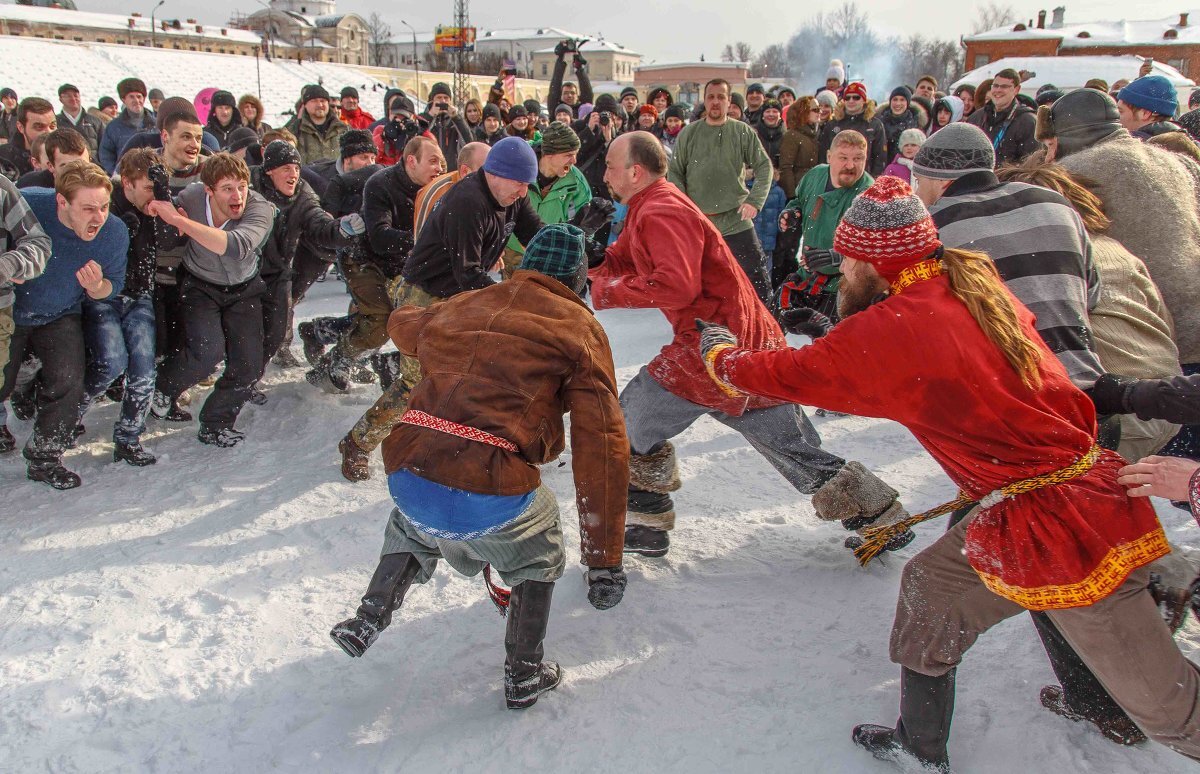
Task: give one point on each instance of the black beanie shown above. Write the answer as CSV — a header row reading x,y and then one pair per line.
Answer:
x,y
629,91
313,91
676,111
223,99
242,137
441,87
356,141
605,103
278,153
492,110
901,91
533,106
350,91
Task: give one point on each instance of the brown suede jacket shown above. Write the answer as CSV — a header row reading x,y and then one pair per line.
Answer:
x,y
511,359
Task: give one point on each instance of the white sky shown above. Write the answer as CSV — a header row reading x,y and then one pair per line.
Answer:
x,y
666,30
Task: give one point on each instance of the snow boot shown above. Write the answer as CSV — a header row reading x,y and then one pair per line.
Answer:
x,y
24,401
225,437
387,367
75,435
314,349
646,541
361,373
133,453
166,408
389,584
7,442
52,472
926,708
650,510
331,375
526,676
356,461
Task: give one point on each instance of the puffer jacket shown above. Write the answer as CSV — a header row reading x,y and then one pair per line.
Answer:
x,y
558,204
297,217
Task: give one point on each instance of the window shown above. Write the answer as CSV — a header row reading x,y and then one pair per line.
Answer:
x,y
518,56
981,60
543,68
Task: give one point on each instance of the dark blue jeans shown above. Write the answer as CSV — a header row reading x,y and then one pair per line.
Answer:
x,y
120,338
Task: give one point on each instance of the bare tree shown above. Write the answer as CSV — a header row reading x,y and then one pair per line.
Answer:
x,y
772,62
737,52
378,36
993,15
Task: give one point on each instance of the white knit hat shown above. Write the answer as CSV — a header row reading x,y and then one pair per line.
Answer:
x,y
836,70
912,136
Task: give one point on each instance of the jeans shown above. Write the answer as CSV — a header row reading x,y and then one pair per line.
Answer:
x,y
119,334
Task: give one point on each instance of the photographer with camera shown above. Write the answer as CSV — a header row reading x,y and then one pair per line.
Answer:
x,y
445,124
596,133
400,127
569,93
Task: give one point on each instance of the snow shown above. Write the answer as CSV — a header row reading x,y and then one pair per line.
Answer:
x,y
1071,72
121,22
1103,33
175,618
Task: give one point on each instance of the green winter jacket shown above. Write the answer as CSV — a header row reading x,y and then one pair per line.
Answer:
x,y
822,211
315,145
559,204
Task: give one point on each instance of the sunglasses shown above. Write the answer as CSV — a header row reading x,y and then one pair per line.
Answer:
x,y
852,98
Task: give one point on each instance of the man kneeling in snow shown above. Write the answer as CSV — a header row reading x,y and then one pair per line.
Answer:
x,y
501,365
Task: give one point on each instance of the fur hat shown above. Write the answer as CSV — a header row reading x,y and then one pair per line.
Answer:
x,y
223,99
173,106
1099,84
888,227
355,141
129,86
279,153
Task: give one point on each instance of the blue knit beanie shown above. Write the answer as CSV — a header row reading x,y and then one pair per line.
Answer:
x,y
513,159
1151,92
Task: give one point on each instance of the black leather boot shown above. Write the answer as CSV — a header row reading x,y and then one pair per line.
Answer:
x,y
926,708
526,676
386,591
656,507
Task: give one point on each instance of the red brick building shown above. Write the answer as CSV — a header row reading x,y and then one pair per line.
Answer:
x,y
1174,41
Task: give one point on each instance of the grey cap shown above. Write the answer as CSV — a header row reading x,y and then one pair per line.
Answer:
x,y
1082,118
953,151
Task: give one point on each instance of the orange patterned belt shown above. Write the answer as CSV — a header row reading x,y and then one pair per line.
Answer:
x,y
421,419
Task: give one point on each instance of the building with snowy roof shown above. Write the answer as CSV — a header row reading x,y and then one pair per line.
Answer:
x,y
312,29
1174,40
608,62
1072,72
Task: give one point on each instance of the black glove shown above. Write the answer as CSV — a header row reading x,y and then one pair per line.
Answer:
x,y
595,251
580,62
161,182
805,321
606,586
819,260
563,47
1173,602
791,220
1110,394
594,216
712,335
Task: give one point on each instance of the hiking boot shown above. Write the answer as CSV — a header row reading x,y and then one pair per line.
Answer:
x,y
313,348
286,358
7,442
1121,730
646,541
356,461
385,593
331,376
163,407
225,437
133,453
53,473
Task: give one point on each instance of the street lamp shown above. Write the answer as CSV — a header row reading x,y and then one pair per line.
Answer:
x,y
416,66
153,26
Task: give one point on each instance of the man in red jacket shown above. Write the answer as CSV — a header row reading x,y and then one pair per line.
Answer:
x,y
954,357
671,257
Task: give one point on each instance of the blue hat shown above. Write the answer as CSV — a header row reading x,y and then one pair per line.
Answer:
x,y
1151,92
513,159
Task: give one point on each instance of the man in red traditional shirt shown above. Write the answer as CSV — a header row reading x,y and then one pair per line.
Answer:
x,y
671,257
955,358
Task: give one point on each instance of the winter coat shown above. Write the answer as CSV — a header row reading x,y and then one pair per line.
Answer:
x,y
766,223
387,208
8,124
592,156
951,104
798,153
91,129
586,95
894,125
297,217
357,119
14,159
1011,132
344,193
865,124
118,132
510,360
490,139
260,128
1065,545
558,204
465,236
1190,121
451,135
672,258
771,139
1152,197
147,236
821,211
222,133
318,143
1155,129
901,168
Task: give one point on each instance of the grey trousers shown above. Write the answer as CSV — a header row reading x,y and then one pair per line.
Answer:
x,y
529,548
944,607
782,434
1143,437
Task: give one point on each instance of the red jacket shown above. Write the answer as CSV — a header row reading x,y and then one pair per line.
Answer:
x,y
359,119
919,358
670,257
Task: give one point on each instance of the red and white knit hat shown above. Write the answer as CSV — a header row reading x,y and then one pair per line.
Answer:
x,y
888,227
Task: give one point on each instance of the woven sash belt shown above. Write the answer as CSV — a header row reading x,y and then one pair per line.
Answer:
x,y
421,419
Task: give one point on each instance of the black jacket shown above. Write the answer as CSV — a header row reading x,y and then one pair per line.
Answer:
x,y
1176,399
344,194
222,133
1018,124
39,178
877,146
88,126
554,98
894,125
1155,129
451,135
490,139
147,236
465,236
387,207
297,217
593,152
14,158
770,139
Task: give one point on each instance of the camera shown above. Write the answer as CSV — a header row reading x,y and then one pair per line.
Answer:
x,y
605,118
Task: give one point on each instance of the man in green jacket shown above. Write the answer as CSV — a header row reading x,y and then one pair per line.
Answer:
x,y
822,197
709,166
561,189
317,128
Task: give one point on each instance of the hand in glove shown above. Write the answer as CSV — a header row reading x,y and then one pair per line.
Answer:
x,y
594,216
1110,394
789,220
563,47
580,62
352,225
606,586
161,182
595,251
712,336
805,322
818,260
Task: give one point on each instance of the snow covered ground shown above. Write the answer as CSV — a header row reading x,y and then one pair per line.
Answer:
x,y
176,618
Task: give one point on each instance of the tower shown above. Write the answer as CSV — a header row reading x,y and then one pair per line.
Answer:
x,y
462,90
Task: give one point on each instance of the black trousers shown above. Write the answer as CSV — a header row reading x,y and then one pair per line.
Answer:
x,y
307,266
277,314
750,256
784,260
168,323
219,322
59,345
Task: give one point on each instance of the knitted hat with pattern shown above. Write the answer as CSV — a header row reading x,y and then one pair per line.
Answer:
x,y
953,151
888,227
556,251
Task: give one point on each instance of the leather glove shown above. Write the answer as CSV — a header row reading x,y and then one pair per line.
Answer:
x,y
606,586
712,335
352,225
161,182
595,251
819,260
1110,394
805,322
594,216
791,220
562,48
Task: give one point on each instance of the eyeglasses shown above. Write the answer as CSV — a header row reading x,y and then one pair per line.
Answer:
x,y
852,98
